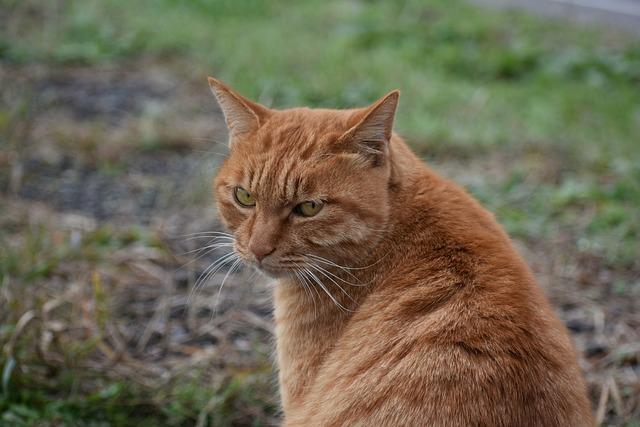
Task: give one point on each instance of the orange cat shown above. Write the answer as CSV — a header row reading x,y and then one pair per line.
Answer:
x,y
400,301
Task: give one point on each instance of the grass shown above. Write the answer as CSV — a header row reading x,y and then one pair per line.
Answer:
x,y
538,119
473,80
461,77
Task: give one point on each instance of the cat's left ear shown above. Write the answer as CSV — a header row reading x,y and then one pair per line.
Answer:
x,y
372,133
242,115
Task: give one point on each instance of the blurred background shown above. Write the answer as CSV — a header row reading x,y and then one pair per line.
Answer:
x,y
109,138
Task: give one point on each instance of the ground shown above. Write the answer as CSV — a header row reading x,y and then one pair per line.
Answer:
x,y
109,138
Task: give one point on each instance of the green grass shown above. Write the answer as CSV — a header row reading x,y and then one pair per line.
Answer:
x,y
469,76
473,81
124,404
602,216
557,105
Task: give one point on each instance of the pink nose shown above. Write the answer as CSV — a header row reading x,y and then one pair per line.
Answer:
x,y
261,251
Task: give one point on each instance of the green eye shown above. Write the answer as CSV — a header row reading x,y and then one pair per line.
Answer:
x,y
243,197
310,208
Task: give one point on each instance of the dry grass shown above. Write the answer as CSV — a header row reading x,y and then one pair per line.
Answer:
x,y
123,316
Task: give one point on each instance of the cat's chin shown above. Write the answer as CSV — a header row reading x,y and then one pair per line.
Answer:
x,y
270,271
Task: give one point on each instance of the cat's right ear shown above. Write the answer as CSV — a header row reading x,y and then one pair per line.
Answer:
x,y
241,115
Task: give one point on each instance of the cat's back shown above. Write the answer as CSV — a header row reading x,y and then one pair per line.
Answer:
x,y
455,333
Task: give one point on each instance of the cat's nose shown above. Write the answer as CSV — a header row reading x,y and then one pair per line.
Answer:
x,y
261,250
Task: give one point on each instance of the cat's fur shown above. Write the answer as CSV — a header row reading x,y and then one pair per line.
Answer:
x,y
437,322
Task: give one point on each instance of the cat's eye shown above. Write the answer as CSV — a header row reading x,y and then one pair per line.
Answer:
x,y
308,209
243,197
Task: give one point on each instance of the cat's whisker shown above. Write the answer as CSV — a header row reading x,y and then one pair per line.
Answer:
x,y
215,153
209,271
214,239
203,234
309,283
254,273
191,261
207,249
330,263
312,290
323,273
213,272
209,246
327,272
235,264
336,276
211,140
303,281
324,288
344,267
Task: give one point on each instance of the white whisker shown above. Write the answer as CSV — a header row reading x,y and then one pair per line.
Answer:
x,y
327,272
309,286
303,272
333,281
319,258
209,271
207,233
229,272
305,287
319,282
210,247
212,236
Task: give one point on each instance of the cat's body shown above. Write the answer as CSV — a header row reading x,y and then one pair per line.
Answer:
x,y
453,330
435,319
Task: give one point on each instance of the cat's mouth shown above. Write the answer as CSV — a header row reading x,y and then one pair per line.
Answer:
x,y
274,267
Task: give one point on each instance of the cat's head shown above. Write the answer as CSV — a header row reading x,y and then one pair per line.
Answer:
x,y
304,183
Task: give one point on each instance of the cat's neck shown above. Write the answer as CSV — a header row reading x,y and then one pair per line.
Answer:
x,y
310,316
306,328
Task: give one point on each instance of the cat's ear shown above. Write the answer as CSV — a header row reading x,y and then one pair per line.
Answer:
x,y
242,115
372,132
